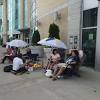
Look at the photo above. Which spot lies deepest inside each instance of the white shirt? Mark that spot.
(16, 63)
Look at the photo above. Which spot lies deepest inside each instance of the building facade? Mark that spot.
(79, 25)
(64, 13)
(19, 17)
(16, 16)
(53, 11)
(78, 20)
(1, 11)
(89, 30)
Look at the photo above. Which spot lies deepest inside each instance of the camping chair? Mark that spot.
(34, 57)
(76, 67)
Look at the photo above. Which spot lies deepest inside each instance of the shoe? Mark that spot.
(50, 76)
(54, 78)
(13, 72)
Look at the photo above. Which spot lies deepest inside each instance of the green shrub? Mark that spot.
(1, 40)
(35, 37)
(54, 31)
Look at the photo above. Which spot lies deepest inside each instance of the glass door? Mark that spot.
(89, 45)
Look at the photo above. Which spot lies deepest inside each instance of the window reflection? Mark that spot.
(90, 17)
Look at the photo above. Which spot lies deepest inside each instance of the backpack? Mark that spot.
(8, 68)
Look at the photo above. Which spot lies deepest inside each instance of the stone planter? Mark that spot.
(47, 52)
(37, 50)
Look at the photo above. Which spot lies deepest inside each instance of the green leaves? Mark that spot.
(35, 37)
(54, 31)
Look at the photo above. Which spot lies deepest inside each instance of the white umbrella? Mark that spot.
(7, 43)
(16, 32)
(18, 43)
(53, 43)
(43, 41)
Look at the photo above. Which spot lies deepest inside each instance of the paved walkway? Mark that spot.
(36, 86)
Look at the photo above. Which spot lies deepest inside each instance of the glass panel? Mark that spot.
(88, 45)
(25, 13)
(16, 14)
(90, 18)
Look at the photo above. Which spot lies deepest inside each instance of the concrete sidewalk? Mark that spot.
(36, 86)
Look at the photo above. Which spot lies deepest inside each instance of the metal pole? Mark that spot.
(81, 23)
(33, 22)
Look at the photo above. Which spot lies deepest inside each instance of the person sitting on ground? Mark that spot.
(71, 63)
(28, 54)
(29, 66)
(54, 59)
(18, 65)
(8, 55)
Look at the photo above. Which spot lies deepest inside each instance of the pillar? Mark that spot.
(97, 60)
(21, 10)
(28, 13)
(5, 21)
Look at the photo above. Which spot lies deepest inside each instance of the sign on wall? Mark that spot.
(73, 40)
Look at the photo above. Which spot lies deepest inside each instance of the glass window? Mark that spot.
(89, 38)
(25, 13)
(89, 44)
(0, 25)
(16, 14)
(90, 18)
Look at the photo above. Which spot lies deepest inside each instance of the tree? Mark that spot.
(54, 31)
(35, 37)
(1, 40)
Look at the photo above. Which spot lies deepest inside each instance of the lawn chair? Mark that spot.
(76, 67)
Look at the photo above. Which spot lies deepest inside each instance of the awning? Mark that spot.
(25, 30)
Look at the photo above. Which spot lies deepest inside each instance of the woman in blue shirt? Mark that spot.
(70, 63)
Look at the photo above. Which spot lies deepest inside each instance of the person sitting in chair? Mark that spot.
(54, 59)
(71, 63)
(8, 55)
(28, 54)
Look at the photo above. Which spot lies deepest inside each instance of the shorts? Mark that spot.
(64, 65)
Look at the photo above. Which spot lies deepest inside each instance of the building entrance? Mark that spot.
(89, 45)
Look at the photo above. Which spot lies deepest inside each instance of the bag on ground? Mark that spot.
(8, 68)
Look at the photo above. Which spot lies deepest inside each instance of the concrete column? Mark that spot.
(21, 16)
(74, 16)
(21, 13)
(97, 60)
(5, 21)
(28, 12)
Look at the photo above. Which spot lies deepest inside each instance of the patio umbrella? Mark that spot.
(53, 42)
(7, 44)
(18, 43)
